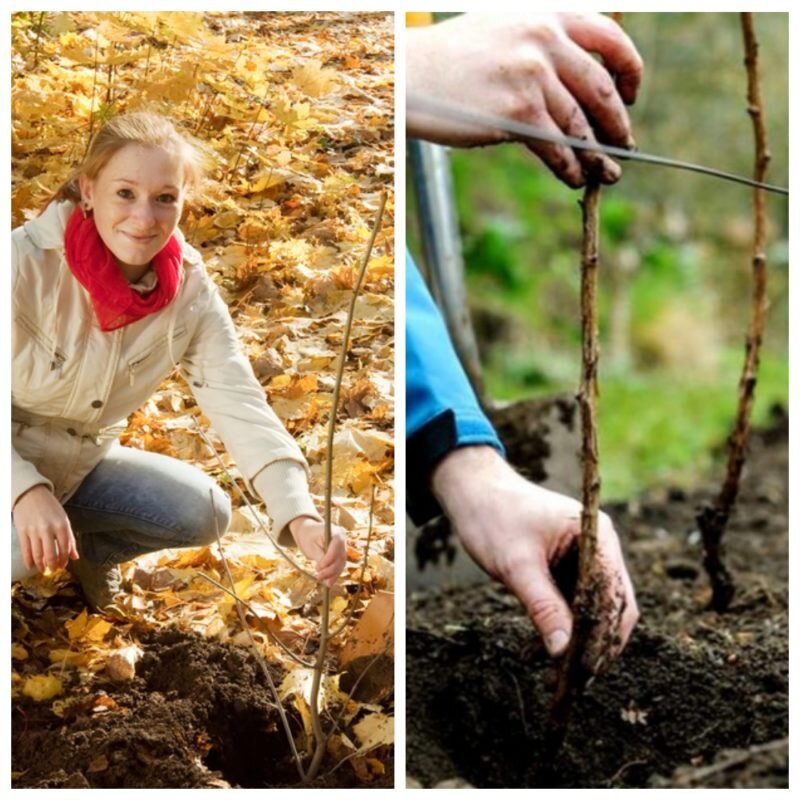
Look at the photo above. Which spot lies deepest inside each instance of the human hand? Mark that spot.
(517, 531)
(309, 534)
(45, 534)
(532, 68)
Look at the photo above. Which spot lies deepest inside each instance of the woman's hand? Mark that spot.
(45, 535)
(517, 531)
(310, 537)
(532, 68)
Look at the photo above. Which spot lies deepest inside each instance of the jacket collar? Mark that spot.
(47, 230)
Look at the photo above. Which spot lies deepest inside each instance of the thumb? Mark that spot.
(545, 605)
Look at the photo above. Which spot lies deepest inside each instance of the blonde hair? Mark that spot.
(143, 128)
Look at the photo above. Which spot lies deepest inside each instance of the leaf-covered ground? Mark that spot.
(295, 112)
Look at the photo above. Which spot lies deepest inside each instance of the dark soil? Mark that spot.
(198, 714)
(697, 698)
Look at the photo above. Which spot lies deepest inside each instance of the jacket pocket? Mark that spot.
(29, 441)
(148, 357)
(45, 348)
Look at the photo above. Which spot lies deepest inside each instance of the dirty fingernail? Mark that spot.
(611, 175)
(557, 642)
(576, 181)
(631, 143)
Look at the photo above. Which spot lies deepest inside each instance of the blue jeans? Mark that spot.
(134, 502)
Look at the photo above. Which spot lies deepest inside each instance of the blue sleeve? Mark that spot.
(442, 411)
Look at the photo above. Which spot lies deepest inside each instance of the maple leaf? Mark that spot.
(62, 23)
(185, 26)
(294, 116)
(313, 80)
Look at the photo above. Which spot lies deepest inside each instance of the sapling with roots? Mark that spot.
(587, 606)
(713, 519)
(575, 668)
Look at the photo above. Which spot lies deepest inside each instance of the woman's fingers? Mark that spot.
(50, 552)
(328, 577)
(44, 530)
(47, 549)
(37, 553)
(330, 566)
(25, 547)
(66, 545)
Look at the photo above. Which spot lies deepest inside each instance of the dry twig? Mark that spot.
(321, 739)
(573, 674)
(713, 520)
(286, 649)
(697, 776)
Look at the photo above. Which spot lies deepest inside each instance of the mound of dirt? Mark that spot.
(697, 699)
(199, 713)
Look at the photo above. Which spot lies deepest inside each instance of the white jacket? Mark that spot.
(73, 386)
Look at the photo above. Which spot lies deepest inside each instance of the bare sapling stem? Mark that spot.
(94, 89)
(316, 724)
(37, 44)
(713, 519)
(573, 673)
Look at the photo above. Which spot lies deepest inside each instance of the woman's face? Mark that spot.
(136, 199)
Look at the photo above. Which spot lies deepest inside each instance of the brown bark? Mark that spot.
(573, 673)
(713, 519)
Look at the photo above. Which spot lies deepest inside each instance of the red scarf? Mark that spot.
(93, 265)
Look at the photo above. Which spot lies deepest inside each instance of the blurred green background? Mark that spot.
(675, 258)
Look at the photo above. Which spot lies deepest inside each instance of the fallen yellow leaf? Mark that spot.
(42, 687)
(97, 629)
(76, 627)
(65, 656)
(377, 767)
(18, 652)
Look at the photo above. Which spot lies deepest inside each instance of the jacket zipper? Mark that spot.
(133, 366)
(58, 362)
(57, 357)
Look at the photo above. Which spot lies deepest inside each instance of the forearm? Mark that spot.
(283, 486)
(442, 411)
(458, 480)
